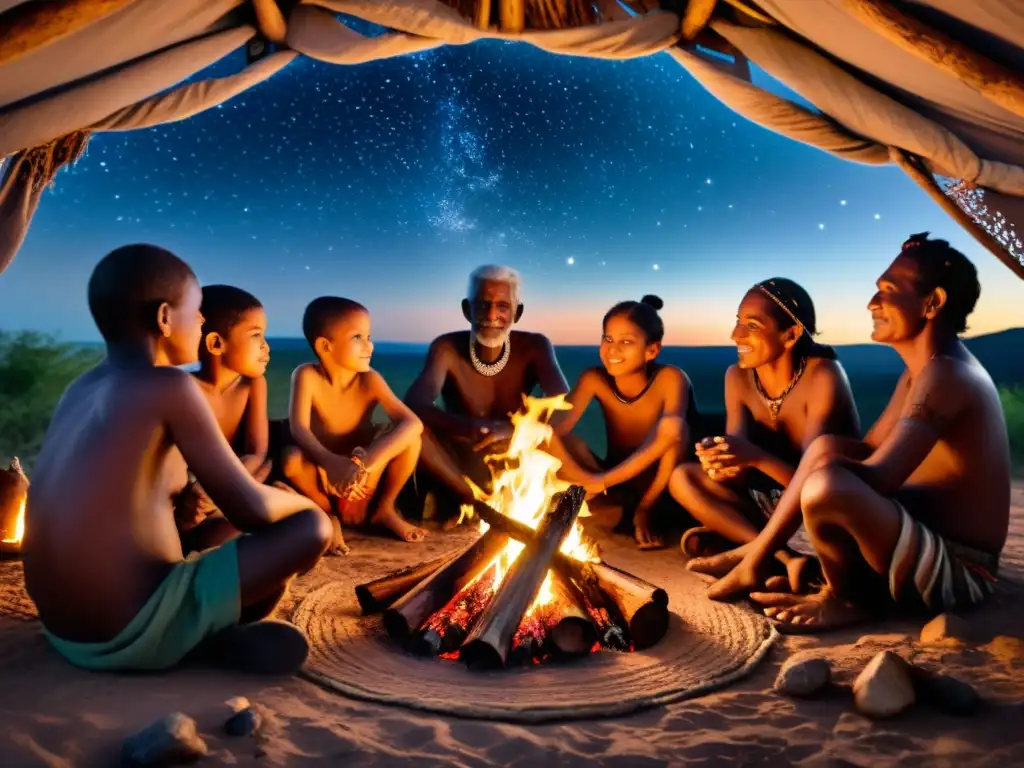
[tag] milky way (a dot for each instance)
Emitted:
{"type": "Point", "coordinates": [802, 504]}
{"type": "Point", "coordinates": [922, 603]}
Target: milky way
{"type": "Point", "coordinates": [388, 181]}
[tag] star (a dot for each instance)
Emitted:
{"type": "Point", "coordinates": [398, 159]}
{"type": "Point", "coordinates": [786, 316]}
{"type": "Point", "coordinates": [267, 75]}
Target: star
{"type": "Point", "coordinates": [656, 267]}
{"type": "Point", "coordinates": [878, 216]}
{"type": "Point", "coordinates": [821, 226]}
{"type": "Point", "coordinates": [842, 202]}
{"type": "Point", "coordinates": [570, 261]}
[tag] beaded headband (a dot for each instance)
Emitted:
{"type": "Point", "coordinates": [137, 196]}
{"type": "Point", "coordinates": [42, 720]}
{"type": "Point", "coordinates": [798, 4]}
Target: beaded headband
{"type": "Point", "coordinates": [763, 289]}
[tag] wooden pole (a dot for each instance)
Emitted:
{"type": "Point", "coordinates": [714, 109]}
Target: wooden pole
{"type": "Point", "coordinates": [374, 596]}
{"type": "Point", "coordinates": [697, 16]}
{"type": "Point", "coordinates": [482, 18]}
{"type": "Point", "coordinates": [433, 593]}
{"type": "Point", "coordinates": [490, 641]}
{"type": "Point", "coordinates": [915, 169]}
{"type": "Point", "coordinates": [28, 27]}
{"type": "Point", "coordinates": [512, 16]}
{"type": "Point", "coordinates": [999, 84]}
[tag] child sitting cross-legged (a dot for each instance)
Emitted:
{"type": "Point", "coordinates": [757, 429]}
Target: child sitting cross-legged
{"type": "Point", "coordinates": [233, 357]}
{"type": "Point", "coordinates": [341, 459]}
{"type": "Point", "coordinates": [103, 559]}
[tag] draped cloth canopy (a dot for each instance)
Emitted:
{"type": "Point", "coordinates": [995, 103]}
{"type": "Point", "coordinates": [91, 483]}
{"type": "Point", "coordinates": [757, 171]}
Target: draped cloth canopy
{"type": "Point", "coordinates": [933, 86]}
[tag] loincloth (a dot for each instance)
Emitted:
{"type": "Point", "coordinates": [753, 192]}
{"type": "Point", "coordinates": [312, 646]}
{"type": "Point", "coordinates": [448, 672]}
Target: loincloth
{"type": "Point", "coordinates": [944, 574]}
{"type": "Point", "coordinates": [764, 492]}
{"type": "Point", "coordinates": [198, 598]}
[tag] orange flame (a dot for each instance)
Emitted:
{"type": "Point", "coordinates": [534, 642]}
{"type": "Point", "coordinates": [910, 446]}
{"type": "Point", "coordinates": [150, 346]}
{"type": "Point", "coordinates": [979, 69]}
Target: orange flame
{"type": "Point", "coordinates": [19, 526]}
{"type": "Point", "coordinates": [524, 489]}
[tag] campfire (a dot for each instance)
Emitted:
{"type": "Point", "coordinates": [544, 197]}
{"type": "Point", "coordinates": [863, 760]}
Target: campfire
{"type": "Point", "coordinates": [13, 493]}
{"type": "Point", "coordinates": [531, 587]}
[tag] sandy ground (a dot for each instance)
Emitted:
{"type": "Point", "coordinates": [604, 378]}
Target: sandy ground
{"type": "Point", "coordinates": [52, 714]}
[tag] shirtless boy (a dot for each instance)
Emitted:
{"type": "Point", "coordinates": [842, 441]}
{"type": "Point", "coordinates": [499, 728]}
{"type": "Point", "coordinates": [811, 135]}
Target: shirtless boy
{"type": "Point", "coordinates": [648, 410]}
{"type": "Point", "coordinates": [481, 376]}
{"type": "Point", "coordinates": [103, 559]}
{"type": "Point", "coordinates": [233, 356]}
{"type": "Point", "coordinates": [918, 514]}
{"type": "Point", "coordinates": [340, 458]}
{"type": "Point", "coordinates": [783, 393]}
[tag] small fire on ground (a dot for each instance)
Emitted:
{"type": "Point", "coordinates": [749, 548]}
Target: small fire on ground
{"type": "Point", "coordinates": [532, 587]}
{"type": "Point", "coordinates": [14, 532]}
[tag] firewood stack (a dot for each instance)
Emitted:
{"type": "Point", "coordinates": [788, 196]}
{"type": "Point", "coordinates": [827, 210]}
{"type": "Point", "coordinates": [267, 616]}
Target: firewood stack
{"type": "Point", "coordinates": [461, 606]}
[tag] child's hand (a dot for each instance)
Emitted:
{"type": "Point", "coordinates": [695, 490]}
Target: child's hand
{"type": "Point", "coordinates": [341, 473]}
{"type": "Point", "coordinates": [594, 485]}
{"type": "Point", "coordinates": [193, 506]}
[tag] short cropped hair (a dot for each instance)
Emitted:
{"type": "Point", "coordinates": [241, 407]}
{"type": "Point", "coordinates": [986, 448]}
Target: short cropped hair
{"type": "Point", "coordinates": [942, 266]}
{"type": "Point", "coordinates": [495, 273]}
{"type": "Point", "coordinates": [224, 306]}
{"type": "Point", "coordinates": [128, 286]}
{"type": "Point", "coordinates": [322, 313]}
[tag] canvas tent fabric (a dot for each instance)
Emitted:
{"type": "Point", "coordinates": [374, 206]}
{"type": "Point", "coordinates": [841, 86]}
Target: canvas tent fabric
{"type": "Point", "coordinates": [878, 97]}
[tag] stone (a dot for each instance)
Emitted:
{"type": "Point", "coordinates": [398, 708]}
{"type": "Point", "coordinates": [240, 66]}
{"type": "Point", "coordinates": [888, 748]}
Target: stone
{"type": "Point", "coordinates": [946, 626]}
{"type": "Point", "coordinates": [171, 740]}
{"type": "Point", "coordinates": [803, 677]}
{"type": "Point", "coordinates": [244, 723]}
{"type": "Point", "coordinates": [946, 693]}
{"type": "Point", "coordinates": [237, 703]}
{"type": "Point", "coordinates": [884, 687]}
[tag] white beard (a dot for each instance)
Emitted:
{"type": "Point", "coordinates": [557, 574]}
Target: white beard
{"type": "Point", "coordinates": [497, 343]}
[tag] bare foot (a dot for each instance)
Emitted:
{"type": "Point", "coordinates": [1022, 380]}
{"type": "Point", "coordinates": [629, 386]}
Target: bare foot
{"type": "Point", "coordinates": [388, 517]}
{"type": "Point", "coordinates": [799, 614]}
{"type": "Point", "coordinates": [739, 581]}
{"type": "Point", "coordinates": [337, 545]}
{"type": "Point", "coordinates": [642, 533]}
{"type": "Point", "coordinates": [718, 565]}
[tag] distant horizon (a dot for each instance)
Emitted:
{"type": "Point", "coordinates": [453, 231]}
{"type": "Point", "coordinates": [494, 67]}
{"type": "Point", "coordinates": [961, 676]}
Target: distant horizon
{"type": "Point", "coordinates": [300, 341]}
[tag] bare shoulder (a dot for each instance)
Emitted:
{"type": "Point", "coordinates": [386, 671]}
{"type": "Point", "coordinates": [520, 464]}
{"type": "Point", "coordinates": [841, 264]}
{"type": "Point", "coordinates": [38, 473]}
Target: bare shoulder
{"type": "Point", "coordinates": [444, 347]}
{"type": "Point", "coordinates": [593, 378]}
{"type": "Point", "coordinates": [536, 342]}
{"type": "Point", "coordinates": [306, 372]}
{"type": "Point", "coordinates": [824, 373]}
{"type": "Point", "coordinates": [374, 381]}
{"type": "Point", "coordinates": [671, 376]}
{"type": "Point", "coordinates": [735, 376]}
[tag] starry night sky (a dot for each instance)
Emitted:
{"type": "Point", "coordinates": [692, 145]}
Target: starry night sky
{"type": "Point", "coordinates": [388, 182]}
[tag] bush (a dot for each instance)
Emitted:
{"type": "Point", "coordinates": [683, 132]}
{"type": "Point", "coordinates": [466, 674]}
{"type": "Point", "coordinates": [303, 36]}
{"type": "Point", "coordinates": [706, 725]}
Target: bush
{"type": "Point", "coordinates": [1013, 408]}
{"type": "Point", "coordinates": [35, 369]}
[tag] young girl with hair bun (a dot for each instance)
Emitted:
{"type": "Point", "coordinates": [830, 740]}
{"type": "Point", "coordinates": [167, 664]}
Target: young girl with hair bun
{"type": "Point", "coordinates": [647, 407]}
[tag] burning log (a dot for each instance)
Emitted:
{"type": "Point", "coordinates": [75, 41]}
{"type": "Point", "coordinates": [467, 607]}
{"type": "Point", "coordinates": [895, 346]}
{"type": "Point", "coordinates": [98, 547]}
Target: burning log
{"type": "Point", "coordinates": [376, 595]}
{"type": "Point", "coordinates": [643, 605]}
{"type": "Point", "coordinates": [574, 634]}
{"type": "Point", "coordinates": [446, 631]}
{"type": "Point", "coordinates": [415, 606]}
{"type": "Point", "coordinates": [489, 644]}
{"type": "Point", "coordinates": [624, 599]}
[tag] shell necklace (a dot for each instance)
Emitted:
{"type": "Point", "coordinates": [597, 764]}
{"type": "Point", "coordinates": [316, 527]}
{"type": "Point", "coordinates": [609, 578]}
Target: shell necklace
{"type": "Point", "coordinates": [774, 404]}
{"type": "Point", "coordinates": [490, 369]}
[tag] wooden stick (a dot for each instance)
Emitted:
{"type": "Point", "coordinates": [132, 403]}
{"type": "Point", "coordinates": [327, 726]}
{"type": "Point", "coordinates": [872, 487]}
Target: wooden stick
{"type": "Point", "coordinates": [416, 606]}
{"type": "Point", "coordinates": [512, 16]}
{"type": "Point", "coordinates": [999, 84]}
{"type": "Point", "coordinates": [915, 170]}
{"type": "Point", "coordinates": [34, 25]}
{"type": "Point", "coordinates": [696, 17]}
{"type": "Point", "coordinates": [374, 596]}
{"type": "Point", "coordinates": [489, 643]}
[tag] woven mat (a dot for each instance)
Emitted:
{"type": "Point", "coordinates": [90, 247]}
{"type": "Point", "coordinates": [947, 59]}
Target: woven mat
{"type": "Point", "coordinates": [708, 645]}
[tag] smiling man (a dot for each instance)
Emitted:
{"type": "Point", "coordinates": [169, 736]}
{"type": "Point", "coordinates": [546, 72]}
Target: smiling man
{"type": "Point", "coordinates": [480, 376]}
{"type": "Point", "coordinates": [921, 517]}
{"type": "Point", "coordinates": [783, 393]}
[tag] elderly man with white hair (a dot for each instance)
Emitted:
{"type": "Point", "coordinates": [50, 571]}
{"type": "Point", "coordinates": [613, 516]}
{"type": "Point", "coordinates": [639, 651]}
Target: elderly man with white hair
{"type": "Point", "coordinates": [481, 376]}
